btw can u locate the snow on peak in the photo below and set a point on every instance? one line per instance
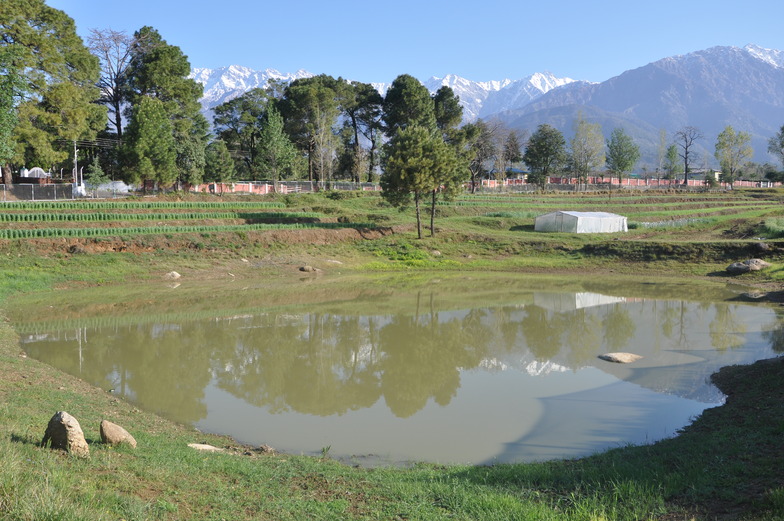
(769, 56)
(477, 98)
(547, 81)
(225, 83)
(489, 97)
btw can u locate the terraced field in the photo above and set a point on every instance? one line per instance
(130, 218)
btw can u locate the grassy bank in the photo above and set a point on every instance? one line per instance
(726, 465)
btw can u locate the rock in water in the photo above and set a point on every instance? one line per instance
(113, 434)
(64, 432)
(620, 358)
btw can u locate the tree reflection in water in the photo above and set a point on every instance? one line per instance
(320, 360)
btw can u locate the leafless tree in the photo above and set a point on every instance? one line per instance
(685, 139)
(114, 49)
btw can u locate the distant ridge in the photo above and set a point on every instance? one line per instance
(708, 89)
(478, 98)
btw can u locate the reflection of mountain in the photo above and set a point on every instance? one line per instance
(563, 302)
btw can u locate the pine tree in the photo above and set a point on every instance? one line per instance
(276, 153)
(150, 147)
(219, 165)
(95, 175)
(417, 161)
(408, 103)
(159, 70)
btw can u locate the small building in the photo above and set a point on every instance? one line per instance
(581, 222)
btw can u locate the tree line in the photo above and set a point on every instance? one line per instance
(125, 106)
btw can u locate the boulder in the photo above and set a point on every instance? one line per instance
(757, 264)
(65, 433)
(738, 268)
(620, 358)
(172, 275)
(113, 434)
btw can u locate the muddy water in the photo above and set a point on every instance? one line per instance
(474, 369)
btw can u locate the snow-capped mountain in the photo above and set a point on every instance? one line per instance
(479, 99)
(708, 89)
(770, 56)
(225, 83)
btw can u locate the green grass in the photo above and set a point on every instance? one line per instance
(726, 465)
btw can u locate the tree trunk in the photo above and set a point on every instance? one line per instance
(8, 178)
(117, 118)
(418, 216)
(356, 163)
(311, 148)
(372, 158)
(433, 214)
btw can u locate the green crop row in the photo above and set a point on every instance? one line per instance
(158, 230)
(136, 205)
(103, 216)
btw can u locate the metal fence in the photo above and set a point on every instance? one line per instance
(47, 192)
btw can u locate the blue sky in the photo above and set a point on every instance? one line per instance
(373, 41)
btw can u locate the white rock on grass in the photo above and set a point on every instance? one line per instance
(204, 447)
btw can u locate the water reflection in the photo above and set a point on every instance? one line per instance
(474, 372)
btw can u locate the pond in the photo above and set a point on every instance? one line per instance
(386, 370)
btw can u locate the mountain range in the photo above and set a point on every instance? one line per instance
(708, 89)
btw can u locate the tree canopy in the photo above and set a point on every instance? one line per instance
(150, 147)
(159, 71)
(416, 161)
(310, 107)
(622, 153)
(545, 154)
(276, 154)
(219, 166)
(408, 103)
(50, 80)
(733, 151)
(587, 149)
(776, 145)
